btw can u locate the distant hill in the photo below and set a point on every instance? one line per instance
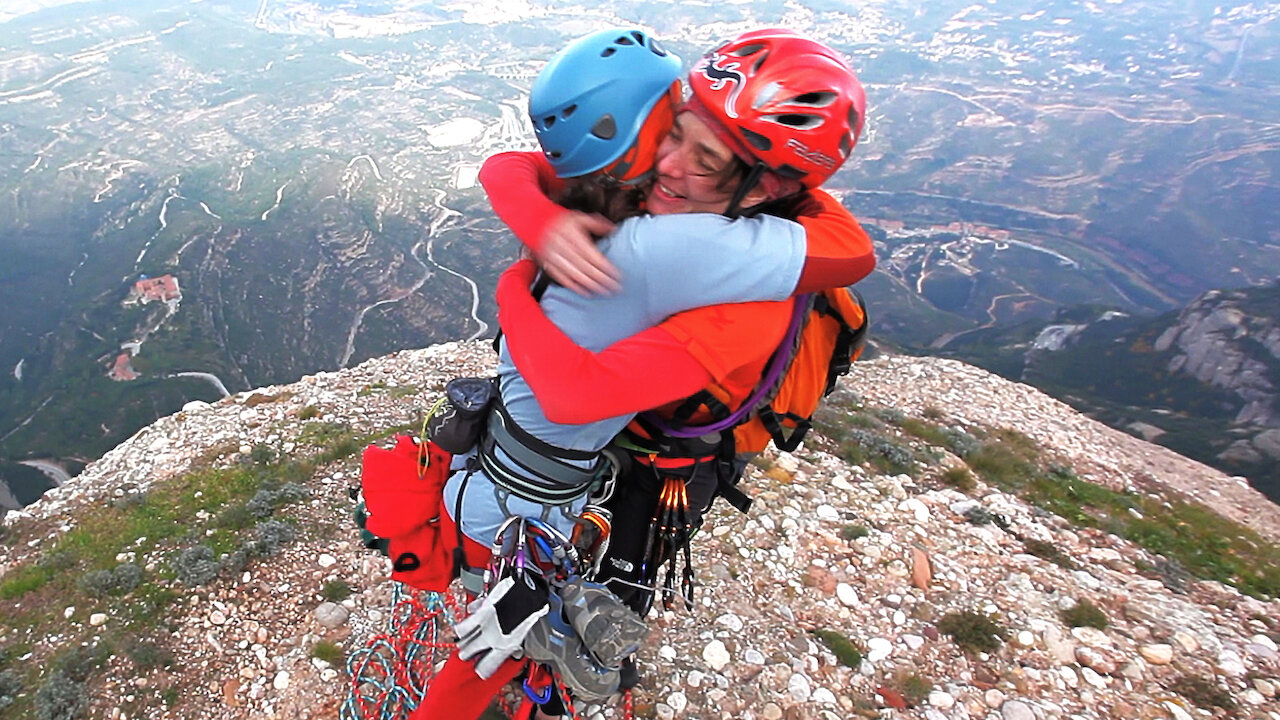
(1204, 381)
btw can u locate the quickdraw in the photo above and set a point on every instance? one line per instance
(669, 533)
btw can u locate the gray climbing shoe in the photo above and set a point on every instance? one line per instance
(554, 642)
(609, 630)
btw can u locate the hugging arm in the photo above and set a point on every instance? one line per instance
(574, 385)
(839, 251)
(518, 184)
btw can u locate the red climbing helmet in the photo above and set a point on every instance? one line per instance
(792, 103)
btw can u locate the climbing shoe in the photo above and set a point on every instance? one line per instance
(554, 642)
(609, 630)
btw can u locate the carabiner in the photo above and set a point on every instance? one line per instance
(540, 698)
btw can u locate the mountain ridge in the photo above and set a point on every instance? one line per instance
(837, 597)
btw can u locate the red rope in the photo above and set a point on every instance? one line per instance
(393, 671)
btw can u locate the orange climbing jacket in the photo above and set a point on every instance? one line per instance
(826, 334)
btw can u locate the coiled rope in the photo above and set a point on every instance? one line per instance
(392, 672)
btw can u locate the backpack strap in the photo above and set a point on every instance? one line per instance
(849, 342)
(773, 423)
(539, 287)
(703, 398)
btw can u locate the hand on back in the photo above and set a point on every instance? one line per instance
(568, 253)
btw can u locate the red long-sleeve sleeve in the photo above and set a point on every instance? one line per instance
(519, 185)
(838, 251)
(574, 385)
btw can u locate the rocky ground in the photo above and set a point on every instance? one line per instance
(829, 550)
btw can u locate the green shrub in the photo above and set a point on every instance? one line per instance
(309, 412)
(959, 478)
(271, 535)
(1204, 692)
(1084, 614)
(60, 697)
(913, 688)
(973, 632)
(884, 454)
(262, 454)
(336, 591)
(1048, 551)
(235, 517)
(849, 654)
(58, 560)
(327, 651)
(195, 566)
(118, 581)
(853, 532)
(979, 515)
(10, 687)
(147, 655)
(960, 442)
(893, 416)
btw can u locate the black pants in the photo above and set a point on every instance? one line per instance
(634, 500)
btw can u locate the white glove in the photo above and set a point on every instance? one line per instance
(499, 621)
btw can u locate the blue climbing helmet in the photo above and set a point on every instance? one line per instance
(604, 103)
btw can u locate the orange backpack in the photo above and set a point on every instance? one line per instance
(827, 333)
(833, 336)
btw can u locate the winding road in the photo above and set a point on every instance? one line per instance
(56, 472)
(212, 379)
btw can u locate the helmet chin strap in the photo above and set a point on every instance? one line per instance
(747, 185)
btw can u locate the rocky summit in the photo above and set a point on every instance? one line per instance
(946, 544)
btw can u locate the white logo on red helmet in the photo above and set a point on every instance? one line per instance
(817, 157)
(722, 70)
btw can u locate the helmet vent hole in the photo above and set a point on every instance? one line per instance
(555, 154)
(756, 140)
(815, 99)
(796, 120)
(639, 36)
(568, 112)
(624, 40)
(608, 52)
(755, 68)
(746, 50)
(657, 48)
(605, 128)
(548, 121)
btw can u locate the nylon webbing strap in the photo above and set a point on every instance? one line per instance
(472, 580)
(715, 408)
(785, 443)
(530, 468)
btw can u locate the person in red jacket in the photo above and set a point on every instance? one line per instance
(770, 111)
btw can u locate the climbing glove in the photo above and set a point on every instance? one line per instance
(498, 622)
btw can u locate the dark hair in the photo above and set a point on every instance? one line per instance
(590, 195)
(732, 174)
